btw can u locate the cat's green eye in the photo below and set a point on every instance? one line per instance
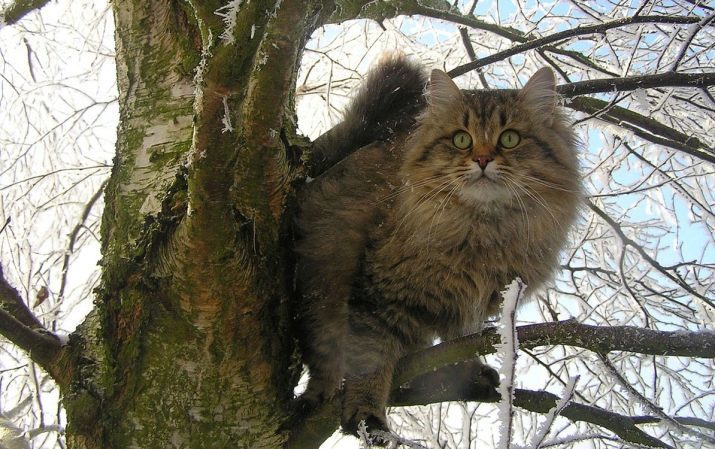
(509, 138)
(462, 140)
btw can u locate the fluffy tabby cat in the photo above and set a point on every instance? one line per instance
(414, 235)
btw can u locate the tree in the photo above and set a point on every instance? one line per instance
(190, 341)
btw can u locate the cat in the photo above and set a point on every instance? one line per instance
(451, 195)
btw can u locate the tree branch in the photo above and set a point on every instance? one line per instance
(567, 34)
(23, 329)
(42, 346)
(668, 79)
(19, 9)
(622, 425)
(445, 372)
(693, 32)
(665, 271)
(569, 333)
(73, 238)
(318, 426)
(643, 127)
(11, 302)
(542, 402)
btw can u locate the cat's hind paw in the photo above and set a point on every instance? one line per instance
(351, 421)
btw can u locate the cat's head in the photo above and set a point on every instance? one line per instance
(487, 148)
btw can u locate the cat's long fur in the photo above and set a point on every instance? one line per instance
(411, 238)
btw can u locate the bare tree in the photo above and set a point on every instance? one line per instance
(189, 342)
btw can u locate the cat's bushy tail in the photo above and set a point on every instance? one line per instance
(387, 103)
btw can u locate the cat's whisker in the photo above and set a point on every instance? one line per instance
(424, 199)
(443, 204)
(522, 208)
(410, 186)
(544, 183)
(419, 183)
(538, 199)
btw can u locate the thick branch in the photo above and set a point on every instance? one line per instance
(542, 401)
(442, 10)
(21, 327)
(11, 301)
(318, 426)
(42, 346)
(19, 9)
(668, 79)
(437, 374)
(570, 333)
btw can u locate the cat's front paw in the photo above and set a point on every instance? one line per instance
(353, 416)
(488, 376)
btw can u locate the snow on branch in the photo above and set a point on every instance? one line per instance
(507, 350)
(538, 439)
(644, 127)
(694, 29)
(668, 79)
(666, 271)
(599, 339)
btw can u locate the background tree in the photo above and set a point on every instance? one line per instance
(188, 342)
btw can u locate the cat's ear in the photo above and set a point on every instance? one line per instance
(442, 93)
(539, 93)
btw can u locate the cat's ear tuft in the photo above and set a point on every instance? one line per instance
(442, 93)
(539, 93)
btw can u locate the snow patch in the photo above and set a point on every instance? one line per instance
(64, 339)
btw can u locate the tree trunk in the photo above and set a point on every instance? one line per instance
(189, 341)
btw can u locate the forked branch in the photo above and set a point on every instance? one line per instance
(435, 366)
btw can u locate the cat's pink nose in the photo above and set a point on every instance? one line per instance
(482, 160)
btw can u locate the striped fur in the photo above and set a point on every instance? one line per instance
(409, 239)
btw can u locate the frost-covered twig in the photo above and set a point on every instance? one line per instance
(694, 29)
(639, 249)
(363, 436)
(652, 408)
(567, 34)
(507, 349)
(72, 238)
(538, 439)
